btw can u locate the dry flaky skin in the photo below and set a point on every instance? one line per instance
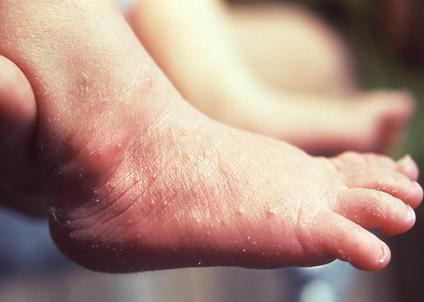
(138, 180)
(216, 202)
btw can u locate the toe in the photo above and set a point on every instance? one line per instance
(347, 241)
(393, 183)
(375, 209)
(382, 173)
(408, 167)
(352, 161)
(377, 161)
(17, 102)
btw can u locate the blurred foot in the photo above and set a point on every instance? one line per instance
(220, 84)
(273, 39)
(367, 122)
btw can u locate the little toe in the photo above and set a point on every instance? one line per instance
(396, 184)
(349, 242)
(408, 167)
(375, 209)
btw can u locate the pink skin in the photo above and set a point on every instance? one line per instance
(272, 38)
(218, 82)
(21, 187)
(136, 179)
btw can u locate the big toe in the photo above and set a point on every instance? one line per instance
(17, 104)
(347, 241)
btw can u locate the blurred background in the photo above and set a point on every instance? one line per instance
(386, 41)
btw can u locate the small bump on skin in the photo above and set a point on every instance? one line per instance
(260, 170)
(270, 213)
(81, 173)
(240, 212)
(196, 219)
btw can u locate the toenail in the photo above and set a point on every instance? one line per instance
(419, 190)
(383, 254)
(411, 214)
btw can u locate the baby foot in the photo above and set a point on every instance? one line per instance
(367, 122)
(206, 195)
(20, 185)
(138, 180)
(222, 86)
(273, 37)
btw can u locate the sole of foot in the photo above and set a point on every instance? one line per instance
(139, 180)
